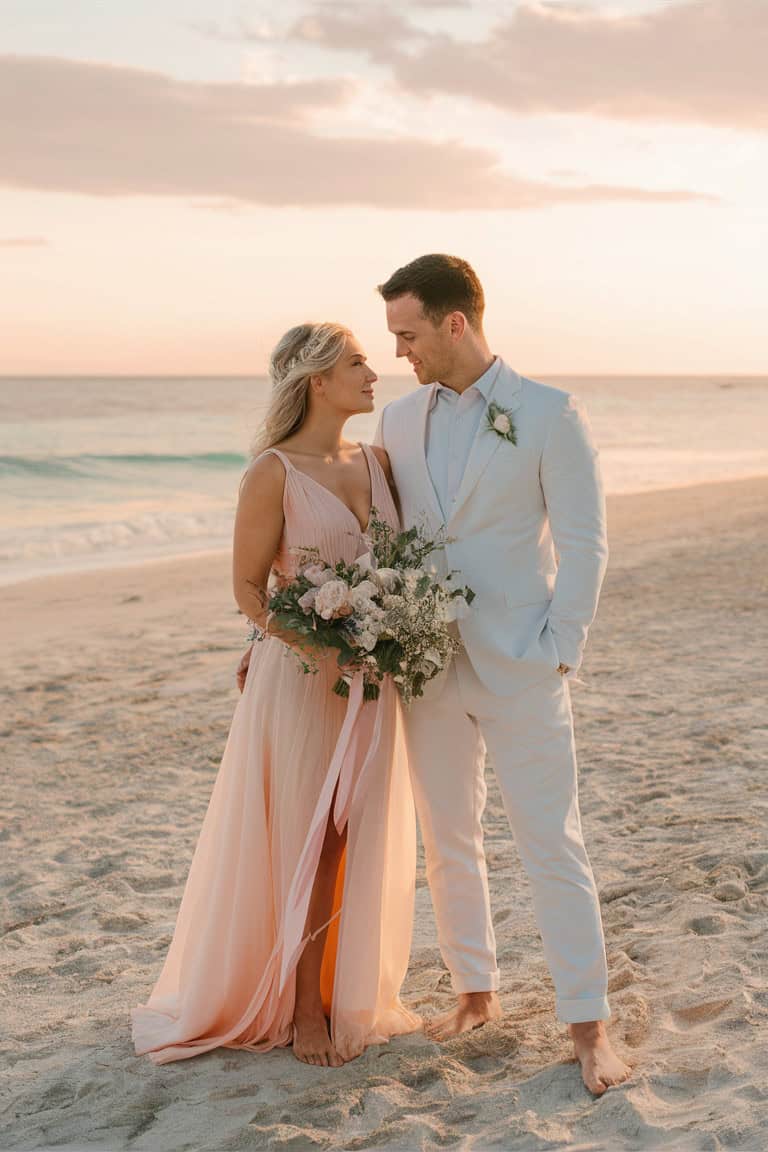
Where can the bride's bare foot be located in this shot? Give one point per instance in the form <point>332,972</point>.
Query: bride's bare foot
<point>472,1010</point>
<point>601,1068</point>
<point>312,1043</point>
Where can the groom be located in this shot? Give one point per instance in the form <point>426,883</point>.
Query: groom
<point>508,465</point>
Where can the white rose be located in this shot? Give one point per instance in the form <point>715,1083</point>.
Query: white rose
<point>331,599</point>
<point>367,640</point>
<point>360,596</point>
<point>433,657</point>
<point>502,424</point>
<point>307,601</point>
<point>318,574</point>
<point>365,562</point>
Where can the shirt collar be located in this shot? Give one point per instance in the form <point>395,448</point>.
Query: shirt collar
<point>482,385</point>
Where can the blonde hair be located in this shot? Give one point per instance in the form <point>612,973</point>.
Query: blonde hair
<point>304,351</point>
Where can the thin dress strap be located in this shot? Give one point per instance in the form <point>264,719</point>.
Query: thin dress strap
<point>276,452</point>
<point>381,493</point>
<point>374,465</point>
<point>281,455</point>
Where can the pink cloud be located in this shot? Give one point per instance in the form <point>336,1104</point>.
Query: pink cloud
<point>702,61</point>
<point>109,131</point>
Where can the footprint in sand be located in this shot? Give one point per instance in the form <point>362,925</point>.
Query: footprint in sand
<point>693,1015</point>
<point>708,925</point>
<point>730,890</point>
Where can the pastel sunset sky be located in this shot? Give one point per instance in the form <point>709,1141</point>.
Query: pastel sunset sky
<point>181,181</point>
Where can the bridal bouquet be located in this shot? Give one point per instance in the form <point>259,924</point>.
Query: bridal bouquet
<point>386,614</point>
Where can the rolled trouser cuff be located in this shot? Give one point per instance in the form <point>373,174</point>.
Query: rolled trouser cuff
<point>463,982</point>
<point>583,1010</point>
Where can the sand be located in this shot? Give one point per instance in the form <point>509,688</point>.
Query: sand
<point>118,688</point>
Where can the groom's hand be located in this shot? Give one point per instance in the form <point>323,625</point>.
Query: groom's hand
<point>242,668</point>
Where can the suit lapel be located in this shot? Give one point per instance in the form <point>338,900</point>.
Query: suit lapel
<point>418,449</point>
<point>505,392</point>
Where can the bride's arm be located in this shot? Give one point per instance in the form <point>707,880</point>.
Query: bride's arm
<point>383,459</point>
<point>258,527</point>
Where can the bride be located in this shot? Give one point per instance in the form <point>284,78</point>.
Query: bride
<point>298,905</point>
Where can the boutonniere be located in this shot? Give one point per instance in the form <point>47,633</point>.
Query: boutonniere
<point>500,422</point>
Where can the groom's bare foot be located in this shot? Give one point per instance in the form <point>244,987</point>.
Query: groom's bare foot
<point>311,1042</point>
<point>601,1068</point>
<point>472,1011</point>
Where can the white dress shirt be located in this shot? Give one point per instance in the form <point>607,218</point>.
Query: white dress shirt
<point>452,423</point>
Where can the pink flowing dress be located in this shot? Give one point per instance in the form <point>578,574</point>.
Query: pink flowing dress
<point>297,755</point>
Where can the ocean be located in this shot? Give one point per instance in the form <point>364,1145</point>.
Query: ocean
<point>116,470</point>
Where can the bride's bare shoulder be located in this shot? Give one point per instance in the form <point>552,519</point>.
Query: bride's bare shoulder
<point>263,478</point>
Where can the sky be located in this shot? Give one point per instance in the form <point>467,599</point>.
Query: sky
<point>181,182</point>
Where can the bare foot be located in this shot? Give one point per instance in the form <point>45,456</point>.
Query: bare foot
<point>601,1068</point>
<point>311,1042</point>
<point>472,1011</point>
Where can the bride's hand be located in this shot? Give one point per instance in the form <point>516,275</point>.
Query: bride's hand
<point>242,668</point>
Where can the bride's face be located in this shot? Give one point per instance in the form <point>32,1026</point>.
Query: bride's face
<point>348,386</point>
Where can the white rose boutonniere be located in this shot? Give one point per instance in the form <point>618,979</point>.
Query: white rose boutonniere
<point>500,422</point>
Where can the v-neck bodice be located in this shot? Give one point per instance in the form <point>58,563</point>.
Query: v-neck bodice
<point>315,517</point>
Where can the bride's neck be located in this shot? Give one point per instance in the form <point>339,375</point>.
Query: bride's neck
<point>321,434</point>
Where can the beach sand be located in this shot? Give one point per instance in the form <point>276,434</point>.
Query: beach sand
<point>118,688</point>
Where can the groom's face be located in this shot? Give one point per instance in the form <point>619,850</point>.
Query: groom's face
<point>428,347</point>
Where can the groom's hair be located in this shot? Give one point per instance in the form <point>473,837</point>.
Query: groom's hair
<point>442,284</point>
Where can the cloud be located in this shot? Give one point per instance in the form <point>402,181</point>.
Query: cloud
<point>109,131</point>
<point>23,242</point>
<point>702,62</point>
<point>695,61</point>
<point>345,29</point>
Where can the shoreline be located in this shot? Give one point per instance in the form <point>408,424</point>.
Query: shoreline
<point>112,563</point>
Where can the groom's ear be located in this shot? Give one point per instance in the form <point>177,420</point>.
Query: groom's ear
<point>457,325</point>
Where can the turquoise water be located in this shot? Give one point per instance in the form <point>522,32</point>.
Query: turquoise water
<point>116,470</point>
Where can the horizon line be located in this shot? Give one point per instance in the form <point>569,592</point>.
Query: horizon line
<point>384,376</point>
